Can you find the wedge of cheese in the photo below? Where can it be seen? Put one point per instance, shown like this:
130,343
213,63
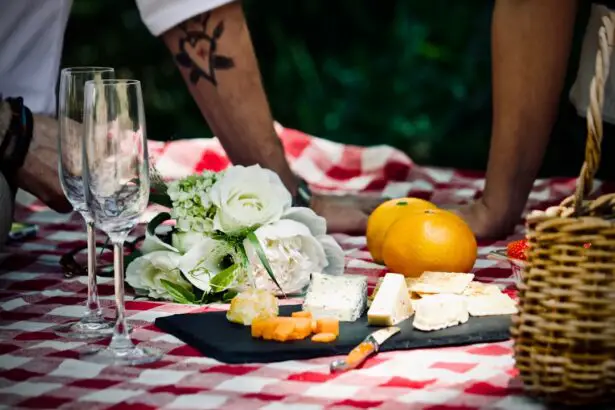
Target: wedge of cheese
440,311
479,288
342,297
491,304
442,282
392,303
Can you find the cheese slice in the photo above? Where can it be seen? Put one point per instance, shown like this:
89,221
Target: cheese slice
392,303
440,311
442,282
343,297
491,304
409,283
480,288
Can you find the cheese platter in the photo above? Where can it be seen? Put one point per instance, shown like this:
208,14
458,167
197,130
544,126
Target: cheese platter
435,310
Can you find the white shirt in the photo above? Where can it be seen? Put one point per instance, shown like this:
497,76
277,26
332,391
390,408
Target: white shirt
32,36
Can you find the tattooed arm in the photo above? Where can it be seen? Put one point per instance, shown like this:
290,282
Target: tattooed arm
213,50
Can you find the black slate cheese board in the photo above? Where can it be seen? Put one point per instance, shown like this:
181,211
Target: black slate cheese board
214,336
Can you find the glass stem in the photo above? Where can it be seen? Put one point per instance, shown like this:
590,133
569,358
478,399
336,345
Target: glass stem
93,310
121,338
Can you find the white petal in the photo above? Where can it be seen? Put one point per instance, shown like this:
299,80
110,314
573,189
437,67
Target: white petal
153,243
164,260
135,270
184,241
316,224
206,256
284,228
335,255
315,251
191,259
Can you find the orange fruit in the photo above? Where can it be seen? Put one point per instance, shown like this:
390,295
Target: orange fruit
383,217
429,240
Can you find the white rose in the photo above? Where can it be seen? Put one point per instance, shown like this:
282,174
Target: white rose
335,255
184,241
315,223
247,197
153,243
145,274
208,258
318,227
292,252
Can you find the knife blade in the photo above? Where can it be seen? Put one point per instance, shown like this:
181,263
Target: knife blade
370,345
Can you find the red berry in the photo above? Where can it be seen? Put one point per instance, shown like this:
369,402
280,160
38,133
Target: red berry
517,249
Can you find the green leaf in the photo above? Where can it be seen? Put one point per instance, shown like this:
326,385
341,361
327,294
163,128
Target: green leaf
224,279
161,199
179,294
229,295
104,247
263,258
157,220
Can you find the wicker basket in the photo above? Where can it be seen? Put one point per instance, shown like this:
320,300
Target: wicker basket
564,333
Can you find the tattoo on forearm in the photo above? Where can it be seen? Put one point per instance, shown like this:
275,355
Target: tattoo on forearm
198,50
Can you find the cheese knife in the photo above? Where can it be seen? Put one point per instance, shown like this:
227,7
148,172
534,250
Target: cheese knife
370,345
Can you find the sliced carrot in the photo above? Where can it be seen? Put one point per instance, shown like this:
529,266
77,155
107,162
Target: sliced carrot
314,326
283,330
269,328
303,328
257,327
302,313
328,325
324,337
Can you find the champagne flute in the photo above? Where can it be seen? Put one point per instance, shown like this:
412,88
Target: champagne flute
92,324
117,190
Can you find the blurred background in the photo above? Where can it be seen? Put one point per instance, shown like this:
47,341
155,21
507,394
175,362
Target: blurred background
414,75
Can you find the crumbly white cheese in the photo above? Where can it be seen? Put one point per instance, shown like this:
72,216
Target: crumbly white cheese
343,297
440,311
252,304
392,303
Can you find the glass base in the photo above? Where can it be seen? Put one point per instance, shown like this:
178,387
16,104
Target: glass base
85,330
122,357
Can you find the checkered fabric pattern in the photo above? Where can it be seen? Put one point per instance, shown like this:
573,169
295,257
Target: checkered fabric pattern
40,370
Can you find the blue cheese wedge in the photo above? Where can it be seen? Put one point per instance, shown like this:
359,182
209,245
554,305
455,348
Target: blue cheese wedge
392,303
343,297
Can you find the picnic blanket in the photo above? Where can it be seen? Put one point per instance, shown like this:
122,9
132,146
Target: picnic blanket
40,370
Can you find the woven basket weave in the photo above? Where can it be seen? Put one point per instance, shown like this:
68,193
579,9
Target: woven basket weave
564,333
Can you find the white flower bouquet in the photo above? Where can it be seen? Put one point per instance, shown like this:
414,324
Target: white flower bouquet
233,230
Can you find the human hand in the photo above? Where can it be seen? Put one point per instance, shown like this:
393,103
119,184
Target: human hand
487,222
39,173
345,214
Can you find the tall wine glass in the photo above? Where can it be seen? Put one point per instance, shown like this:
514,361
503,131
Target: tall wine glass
92,324
117,189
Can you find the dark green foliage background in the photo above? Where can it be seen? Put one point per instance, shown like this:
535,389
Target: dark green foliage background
412,74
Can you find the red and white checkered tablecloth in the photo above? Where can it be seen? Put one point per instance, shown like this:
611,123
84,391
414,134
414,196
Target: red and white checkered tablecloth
40,370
